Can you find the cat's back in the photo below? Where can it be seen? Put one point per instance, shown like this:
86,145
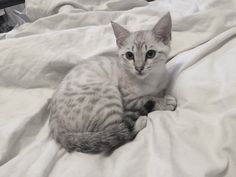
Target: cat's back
94,71
85,95
87,75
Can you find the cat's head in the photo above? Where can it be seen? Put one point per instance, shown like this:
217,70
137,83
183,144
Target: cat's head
141,51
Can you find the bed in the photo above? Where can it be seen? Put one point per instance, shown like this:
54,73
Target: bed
198,139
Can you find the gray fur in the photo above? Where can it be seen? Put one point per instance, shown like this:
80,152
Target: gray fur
98,105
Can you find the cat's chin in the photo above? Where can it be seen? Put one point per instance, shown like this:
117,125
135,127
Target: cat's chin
141,75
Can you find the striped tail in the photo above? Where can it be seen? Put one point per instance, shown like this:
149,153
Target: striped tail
94,142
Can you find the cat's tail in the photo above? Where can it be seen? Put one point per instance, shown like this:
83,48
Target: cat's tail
94,142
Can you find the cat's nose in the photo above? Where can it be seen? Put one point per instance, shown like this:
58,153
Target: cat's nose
139,68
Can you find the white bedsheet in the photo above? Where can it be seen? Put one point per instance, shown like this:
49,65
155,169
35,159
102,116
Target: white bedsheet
196,140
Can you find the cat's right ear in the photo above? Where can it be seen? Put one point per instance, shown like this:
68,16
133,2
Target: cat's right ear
120,33
162,30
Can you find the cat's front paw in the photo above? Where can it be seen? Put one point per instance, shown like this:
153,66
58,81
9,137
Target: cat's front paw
147,107
170,103
140,123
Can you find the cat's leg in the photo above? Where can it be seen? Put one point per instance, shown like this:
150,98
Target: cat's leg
143,105
135,122
167,102
140,124
146,104
133,109
130,117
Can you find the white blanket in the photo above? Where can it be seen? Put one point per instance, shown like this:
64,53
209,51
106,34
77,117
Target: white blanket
196,140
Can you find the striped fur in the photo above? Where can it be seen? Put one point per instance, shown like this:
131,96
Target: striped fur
97,106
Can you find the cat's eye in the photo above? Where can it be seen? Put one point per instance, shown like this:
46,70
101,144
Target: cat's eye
150,54
129,55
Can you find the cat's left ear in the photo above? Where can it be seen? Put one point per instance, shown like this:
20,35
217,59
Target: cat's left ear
120,33
162,30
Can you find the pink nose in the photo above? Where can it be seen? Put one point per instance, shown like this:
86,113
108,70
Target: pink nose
139,69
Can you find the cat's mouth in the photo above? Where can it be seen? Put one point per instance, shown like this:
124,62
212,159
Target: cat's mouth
141,73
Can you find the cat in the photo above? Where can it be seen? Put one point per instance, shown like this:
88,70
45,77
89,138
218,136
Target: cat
99,104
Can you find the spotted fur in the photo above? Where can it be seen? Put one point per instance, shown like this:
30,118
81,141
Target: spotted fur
97,106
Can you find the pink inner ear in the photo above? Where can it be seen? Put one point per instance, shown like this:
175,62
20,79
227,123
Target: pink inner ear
120,41
120,33
162,30
163,38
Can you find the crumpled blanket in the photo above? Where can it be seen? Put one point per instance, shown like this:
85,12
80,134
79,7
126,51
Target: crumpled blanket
198,139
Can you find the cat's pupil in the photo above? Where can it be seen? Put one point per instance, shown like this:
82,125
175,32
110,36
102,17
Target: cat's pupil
129,55
150,54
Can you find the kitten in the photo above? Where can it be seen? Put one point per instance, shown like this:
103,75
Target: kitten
97,106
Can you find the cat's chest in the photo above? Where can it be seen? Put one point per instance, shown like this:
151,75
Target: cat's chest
145,88
151,85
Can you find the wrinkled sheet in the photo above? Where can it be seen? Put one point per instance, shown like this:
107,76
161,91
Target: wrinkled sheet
198,139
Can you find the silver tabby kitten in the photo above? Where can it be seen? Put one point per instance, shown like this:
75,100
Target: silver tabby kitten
97,106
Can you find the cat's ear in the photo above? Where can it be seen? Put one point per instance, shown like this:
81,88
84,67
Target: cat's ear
162,30
120,33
